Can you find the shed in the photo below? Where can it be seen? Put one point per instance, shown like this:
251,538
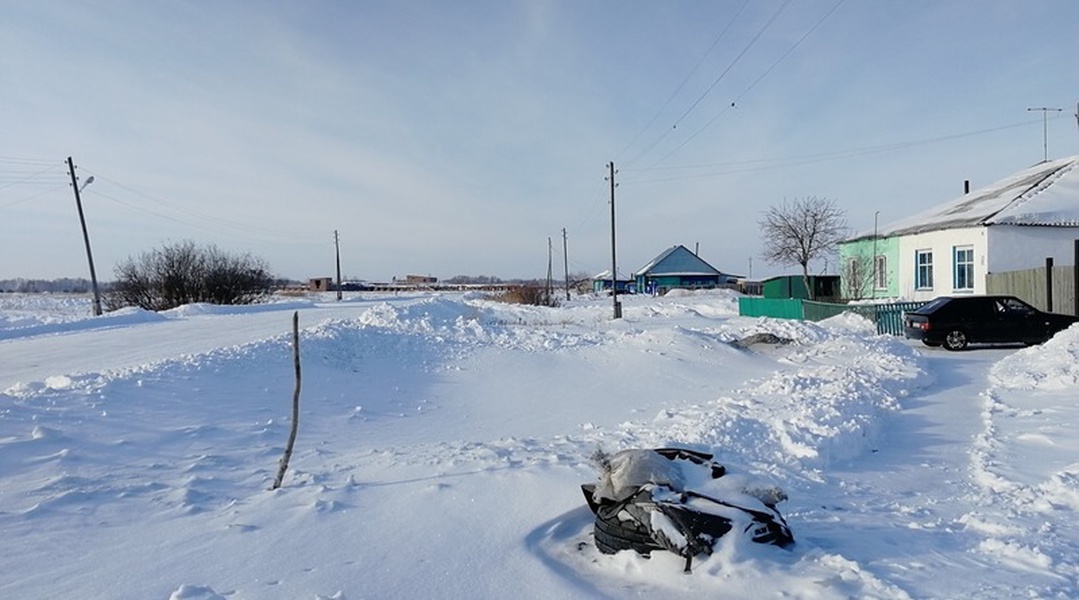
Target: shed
825,287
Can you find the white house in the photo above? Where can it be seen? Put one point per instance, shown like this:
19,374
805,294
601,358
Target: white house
1013,224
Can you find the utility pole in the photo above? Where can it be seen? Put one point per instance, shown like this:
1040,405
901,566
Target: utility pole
550,273
85,235
337,252
565,261
614,261
1045,127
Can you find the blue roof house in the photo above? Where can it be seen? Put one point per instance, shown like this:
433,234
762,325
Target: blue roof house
677,267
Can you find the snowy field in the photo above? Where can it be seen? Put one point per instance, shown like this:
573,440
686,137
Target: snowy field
443,440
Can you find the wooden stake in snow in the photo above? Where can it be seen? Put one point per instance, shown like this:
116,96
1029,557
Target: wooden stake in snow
295,402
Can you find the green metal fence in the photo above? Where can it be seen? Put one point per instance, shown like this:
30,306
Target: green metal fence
888,317
751,306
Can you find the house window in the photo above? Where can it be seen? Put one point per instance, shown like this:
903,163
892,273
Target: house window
964,268
880,273
923,277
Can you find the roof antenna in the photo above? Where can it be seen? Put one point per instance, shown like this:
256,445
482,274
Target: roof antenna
1045,128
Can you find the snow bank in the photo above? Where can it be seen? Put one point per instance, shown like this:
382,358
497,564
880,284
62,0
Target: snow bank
455,432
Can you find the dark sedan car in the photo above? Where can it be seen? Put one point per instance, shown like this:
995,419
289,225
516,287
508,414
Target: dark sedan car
955,321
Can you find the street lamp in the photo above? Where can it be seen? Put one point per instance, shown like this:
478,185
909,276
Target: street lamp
85,236
873,280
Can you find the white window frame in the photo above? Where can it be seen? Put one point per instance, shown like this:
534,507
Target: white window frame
963,271
880,272
923,270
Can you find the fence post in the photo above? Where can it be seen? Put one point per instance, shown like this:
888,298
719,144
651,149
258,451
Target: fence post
1049,284
1075,280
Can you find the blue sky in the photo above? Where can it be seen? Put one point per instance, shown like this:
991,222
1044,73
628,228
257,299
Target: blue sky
449,138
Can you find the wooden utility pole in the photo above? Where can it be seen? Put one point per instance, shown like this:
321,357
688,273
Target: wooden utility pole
85,235
565,261
337,252
550,273
614,260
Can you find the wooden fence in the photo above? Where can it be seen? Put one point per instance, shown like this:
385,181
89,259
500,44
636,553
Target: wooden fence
1033,286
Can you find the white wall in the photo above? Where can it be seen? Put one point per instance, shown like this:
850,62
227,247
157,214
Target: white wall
997,249
941,243
1013,248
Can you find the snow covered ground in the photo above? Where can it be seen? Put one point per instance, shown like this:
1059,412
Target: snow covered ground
443,439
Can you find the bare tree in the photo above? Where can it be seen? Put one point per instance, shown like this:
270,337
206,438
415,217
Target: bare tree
857,277
801,230
182,273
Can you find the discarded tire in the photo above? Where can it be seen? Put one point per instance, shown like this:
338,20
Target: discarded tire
613,533
642,504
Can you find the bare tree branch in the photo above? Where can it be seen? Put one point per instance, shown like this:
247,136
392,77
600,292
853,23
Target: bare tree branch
800,230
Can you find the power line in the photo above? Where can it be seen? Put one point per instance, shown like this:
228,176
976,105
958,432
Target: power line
737,58
195,218
794,161
23,177
755,82
16,160
685,80
217,225
35,196
751,43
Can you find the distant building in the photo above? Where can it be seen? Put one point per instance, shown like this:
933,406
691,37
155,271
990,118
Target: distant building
601,282
677,267
420,280
320,284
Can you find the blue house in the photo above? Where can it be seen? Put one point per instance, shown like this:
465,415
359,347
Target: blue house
601,282
677,267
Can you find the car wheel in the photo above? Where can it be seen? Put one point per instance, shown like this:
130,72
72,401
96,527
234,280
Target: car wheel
956,340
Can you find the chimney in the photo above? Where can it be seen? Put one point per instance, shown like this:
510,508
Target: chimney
966,186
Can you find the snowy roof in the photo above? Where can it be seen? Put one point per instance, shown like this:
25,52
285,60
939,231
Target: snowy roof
678,260
606,274
1046,194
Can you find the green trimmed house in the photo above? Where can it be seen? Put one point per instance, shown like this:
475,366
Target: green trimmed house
1010,225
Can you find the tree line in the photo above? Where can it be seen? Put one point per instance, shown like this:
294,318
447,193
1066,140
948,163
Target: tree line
793,233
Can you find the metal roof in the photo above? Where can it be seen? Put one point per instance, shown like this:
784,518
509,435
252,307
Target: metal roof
677,260
1046,194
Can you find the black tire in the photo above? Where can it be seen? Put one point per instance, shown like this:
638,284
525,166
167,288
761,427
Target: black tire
956,339
613,534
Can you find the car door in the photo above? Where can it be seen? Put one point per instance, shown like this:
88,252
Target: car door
984,319
1021,322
